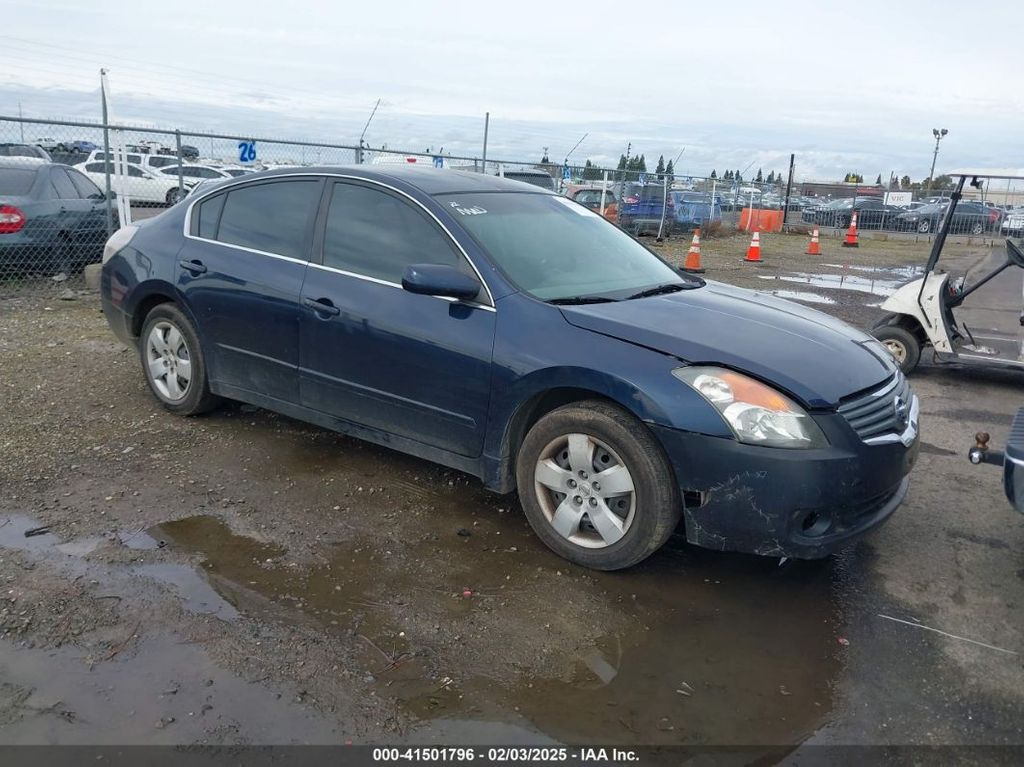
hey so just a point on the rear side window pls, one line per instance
(62, 185)
(84, 186)
(162, 161)
(16, 181)
(373, 233)
(272, 217)
(208, 217)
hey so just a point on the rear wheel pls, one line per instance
(173, 362)
(175, 195)
(977, 227)
(924, 226)
(596, 486)
(902, 345)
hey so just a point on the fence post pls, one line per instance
(664, 205)
(181, 181)
(604, 190)
(107, 165)
(789, 187)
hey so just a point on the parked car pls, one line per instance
(641, 206)
(26, 151)
(148, 161)
(591, 198)
(80, 147)
(538, 178)
(493, 327)
(141, 184)
(52, 218)
(189, 152)
(872, 213)
(47, 144)
(968, 217)
(695, 209)
(195, 173)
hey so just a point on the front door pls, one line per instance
(241, 271)
(370, 352)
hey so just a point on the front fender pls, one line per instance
(905, 302)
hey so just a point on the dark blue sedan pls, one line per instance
(504, 331)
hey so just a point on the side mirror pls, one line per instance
(439, 280)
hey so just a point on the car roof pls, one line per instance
(25, 163)
(430, 181)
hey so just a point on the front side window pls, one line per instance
(554, 249)
(272, 217)
(375, 234)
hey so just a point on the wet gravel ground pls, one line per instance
(246, 578)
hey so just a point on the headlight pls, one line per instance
(757, 414)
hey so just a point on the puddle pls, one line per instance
(904, 273)
(878, 286)
(722, 648)
(800, 295)
(196, 594)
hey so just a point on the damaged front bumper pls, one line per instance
(804, 504)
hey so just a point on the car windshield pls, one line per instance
(16, 181)
(553, 248)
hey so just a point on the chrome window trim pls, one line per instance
(242, 180)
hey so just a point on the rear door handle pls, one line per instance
(322, 305)
(196, 267)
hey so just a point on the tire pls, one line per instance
(169, 346)
(633, 523)
(924, 226)
(62, 261)
(175, 195)
(977, 228)
(901, 343)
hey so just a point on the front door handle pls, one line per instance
(322, 305)
(196, 267)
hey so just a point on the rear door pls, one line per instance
(370, 352)
(93, 228)
(240, 271)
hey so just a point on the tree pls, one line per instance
(878, 181)
(727, 176)
(771, 178)
(660, 168)
(737, 176)
(905, 182)
(759, 178)
(853, 178)
(713, 173)
(670, 171)
(591, 172)
(642, 165)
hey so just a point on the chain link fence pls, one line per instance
(65, 187)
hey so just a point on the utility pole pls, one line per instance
(939, 133)
(487, 123)
(359, 151)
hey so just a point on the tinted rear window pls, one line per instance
(271, 217)
(16, 181)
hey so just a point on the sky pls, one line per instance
(845, 86)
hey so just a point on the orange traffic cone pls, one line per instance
(693, 256)
(814, 248)
(754, 251)
(851, 233)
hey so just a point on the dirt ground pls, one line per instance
(245, 578)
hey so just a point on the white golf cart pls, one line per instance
(934, 309)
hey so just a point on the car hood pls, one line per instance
(812, 356)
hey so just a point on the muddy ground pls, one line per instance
(246, 578)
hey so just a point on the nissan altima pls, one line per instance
(502, 330)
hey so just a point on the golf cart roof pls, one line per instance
(1003, 173)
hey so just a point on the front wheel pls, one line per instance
(901, 344)
(977, 227)
(173, 362)
(924, 226)
(596, 486)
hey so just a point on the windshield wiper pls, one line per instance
(657, 290)
(576, 300)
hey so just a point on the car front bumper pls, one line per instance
(804, 504)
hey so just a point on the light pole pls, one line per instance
(939, 133)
